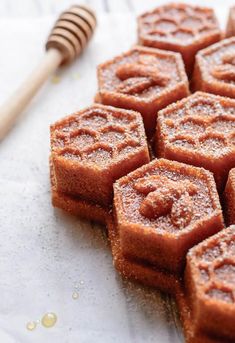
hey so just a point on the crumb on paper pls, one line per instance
(76, 76)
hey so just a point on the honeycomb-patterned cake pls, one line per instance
(229, 198)
(179, 27)
(143, 79)
(164, 208)
(199, 130)
(92, 148)
(153, 164)
(230, 29)
(210, 284)
(215, 69)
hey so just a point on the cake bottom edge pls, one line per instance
(138, 271)
(77, 206)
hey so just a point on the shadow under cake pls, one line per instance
(199, 130)
(215, 69)
(142, 79)
(179, 27)
(160, 211)
(207, 302)
(91, 149)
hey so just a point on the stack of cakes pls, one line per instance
(155, 164)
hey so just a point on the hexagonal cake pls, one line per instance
(199, 130)
(137, 270)
(161, 210)
(229, 198)
(92, 148)
(179, 27)
(210, 284)
(143, 79)
(230, 29)
(215, 69)
(164, 218)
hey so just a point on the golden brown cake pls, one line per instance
(164, 218)
(230, 29)
(187, 321)
(215, 69)
(229, 198)
(137, 271)
(210, 288)
(179, 27)
(161, 210)
(76, 205)
(142, 79)
(199, 130)
(92, 148)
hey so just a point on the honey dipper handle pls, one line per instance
(11, 109)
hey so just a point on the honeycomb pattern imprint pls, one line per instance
(179, 27)
(93, 147)
(199, 130)
(215, 69)
(142, 79)
(210, 282)
(190, 192)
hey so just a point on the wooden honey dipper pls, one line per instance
(67, 40)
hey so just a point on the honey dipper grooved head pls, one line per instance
(72, 31)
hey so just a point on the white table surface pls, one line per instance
(44, 252)
(35, 8)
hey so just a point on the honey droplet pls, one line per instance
(55, 79)
(49, 319)
(75, 295)
(31, 326)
